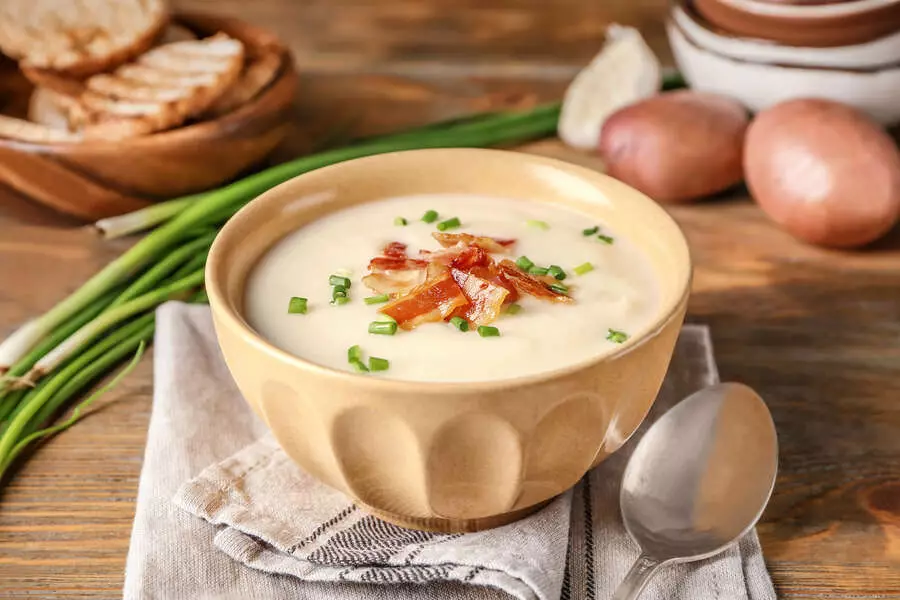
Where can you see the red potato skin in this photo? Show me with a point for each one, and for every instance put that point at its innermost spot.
(824, 172)
(676, 147)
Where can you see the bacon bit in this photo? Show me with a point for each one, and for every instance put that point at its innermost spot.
(492, 273)
(485, 298)
(394, 272)
(471, 257)
(388, 263)
(488, 244)
(434, 300)
(394, 282)
(395, 250)
(526, 284)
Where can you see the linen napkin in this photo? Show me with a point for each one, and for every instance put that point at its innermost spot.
(223, 513)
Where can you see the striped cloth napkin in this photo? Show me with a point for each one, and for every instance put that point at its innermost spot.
(223, 513)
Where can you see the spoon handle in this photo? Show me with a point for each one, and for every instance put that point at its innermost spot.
(634, 583)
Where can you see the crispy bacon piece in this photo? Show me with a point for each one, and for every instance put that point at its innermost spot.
(485, 298)
(394, 272)
(394, 282)
(488, 244)
(471, 257)
(493, 274)
(432, 301)
(395, 250)
(527, 284)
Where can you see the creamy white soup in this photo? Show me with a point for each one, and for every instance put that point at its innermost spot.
(592, 289)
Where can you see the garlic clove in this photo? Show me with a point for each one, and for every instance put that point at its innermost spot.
(625, 71)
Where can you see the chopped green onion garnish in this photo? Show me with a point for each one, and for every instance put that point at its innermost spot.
(297, 306)
(449, 224)
(379, 364)
(340, 300)
(591, 231)
(354, 353)
(539, 224)
(524, 263)
(559, 288)
(379, 299)
(557, 272)
(617, 337)
(339, 291)
(583, 268)
(605, 239)
(336, 280)
(359, 365)
(430, 216)
(513, 309)
(538, 270)
(400, 221)
(382, 328)
(383, 318)
(460, 323)
(487, 331)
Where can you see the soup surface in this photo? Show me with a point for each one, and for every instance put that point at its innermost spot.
(613, 293)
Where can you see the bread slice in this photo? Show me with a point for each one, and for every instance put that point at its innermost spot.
(256, 76)
(77, 38)
(26, 131)
(161, 89)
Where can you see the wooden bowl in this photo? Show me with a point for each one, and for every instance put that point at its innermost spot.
(448, 456)
(816, 25)
(96, 179)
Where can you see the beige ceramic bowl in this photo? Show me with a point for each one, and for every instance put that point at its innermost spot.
(448, 456)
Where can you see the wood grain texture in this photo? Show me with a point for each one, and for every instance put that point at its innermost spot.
(815, 331)
(97, 178)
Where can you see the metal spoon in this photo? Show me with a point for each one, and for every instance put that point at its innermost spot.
(698, 480)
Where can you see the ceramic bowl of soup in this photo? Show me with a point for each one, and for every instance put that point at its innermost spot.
(451, 337)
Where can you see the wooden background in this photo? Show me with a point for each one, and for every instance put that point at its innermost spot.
(816, 332)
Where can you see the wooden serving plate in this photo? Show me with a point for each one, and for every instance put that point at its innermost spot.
(97, 179)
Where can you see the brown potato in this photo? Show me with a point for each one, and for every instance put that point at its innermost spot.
(824, 172)
(676, 147)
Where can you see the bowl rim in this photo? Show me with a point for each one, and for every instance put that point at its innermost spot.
(201, 130)
(223, 309)
(807, 11)
(675, 28)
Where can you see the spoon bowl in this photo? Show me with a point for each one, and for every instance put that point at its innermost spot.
(698, 480)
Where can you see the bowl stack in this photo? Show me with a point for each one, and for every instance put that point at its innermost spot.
(762, 52)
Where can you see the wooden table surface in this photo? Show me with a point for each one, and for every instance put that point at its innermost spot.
(816, 332)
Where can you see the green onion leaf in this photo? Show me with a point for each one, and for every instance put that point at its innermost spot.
(487, 331)
(559, 288)
(340, 300)
(583, 268)
(616, 337)
(379, 364)
(382, 328)
(524, 263)
(557, 272)
(460, 323)
(297, 306)
(538, 224)
(379, 299)
(430, 216)
(400, 221)
(354, 353)
(338, 291)
(338, 280)
(538, 270)
(605, 239)
(513, 309)
(591, 231)
(359, 366)
(449, 224)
